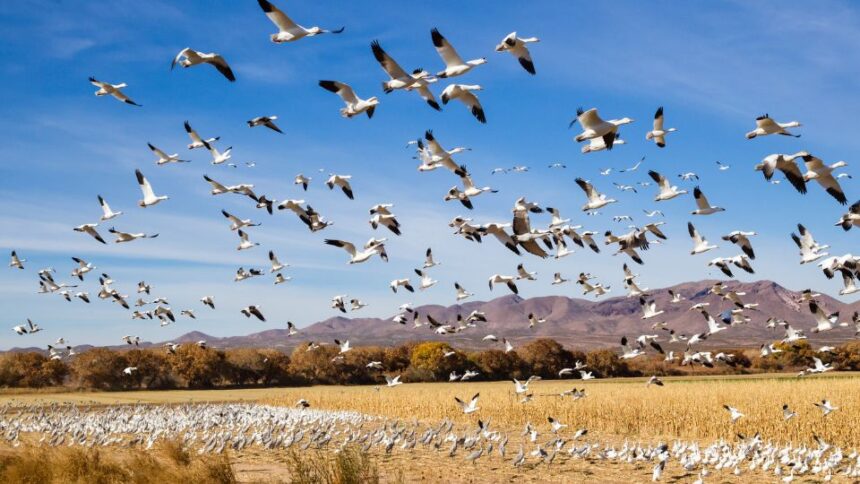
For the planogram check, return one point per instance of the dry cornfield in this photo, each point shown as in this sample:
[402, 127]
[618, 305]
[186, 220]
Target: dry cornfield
[684, 408]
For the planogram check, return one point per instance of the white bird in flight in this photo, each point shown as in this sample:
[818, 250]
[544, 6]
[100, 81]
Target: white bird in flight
[114, 90]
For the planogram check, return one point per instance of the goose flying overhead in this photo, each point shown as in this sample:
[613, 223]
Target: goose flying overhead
[810, 250]
[517, 47]
[850, 218]
[356, 256]
[164, 158]
[703, 207]
[507, 280]
[823, 174]
[236, 223]
[465, 94]
[658, 134]
[596, 199]
[267, 121]
[354, 104]
[289, 31]
[149, 197]
[107, 213]
[16, 262]
[461, 292]
[90, 229]
[595, 127]
[188, 57]
[343, 182]
[253, 311]
[128, 237]
[667, 191]
[788, 167]
[765, 126]
[196, 140]
[454, 64]
[112, 90]
[418, 80]
[741, 239]
[217, 156]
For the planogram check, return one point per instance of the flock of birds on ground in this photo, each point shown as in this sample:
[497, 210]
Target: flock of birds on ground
[519, 235]
[214, 428]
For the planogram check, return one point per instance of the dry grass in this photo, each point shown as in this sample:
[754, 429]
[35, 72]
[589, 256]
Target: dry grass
[348, 466]
[683, 408]
[77, 465]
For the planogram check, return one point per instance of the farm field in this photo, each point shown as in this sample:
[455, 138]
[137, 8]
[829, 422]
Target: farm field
[614, 412]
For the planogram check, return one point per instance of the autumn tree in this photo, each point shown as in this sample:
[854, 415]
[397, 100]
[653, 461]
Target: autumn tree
[101, 368]
[545, 357]
[498, 365]
[315, 366]
[198, 367]
[153, 369]
[606, 363]
[429, 363]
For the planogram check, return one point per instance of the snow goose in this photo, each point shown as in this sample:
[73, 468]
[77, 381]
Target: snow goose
[217, 156]
[405, 283]
[507, 280]
[599, 144]
[245, 244]
[289, 31]
[667, 192]
[810, 250]
[164, 158]
[741, 239]
[280, 279]
[113, 90]
[276, 264]
[428, 259]
[188, 312]
[343, 182]
[426, 281]
[196, 140]
[826, 407]
[400, 79]
[188, 57]
[596, 199]
[823, 321]
[16, 262]
[354, 104]
[83, 268]
[267, 121]
[356, 256]
[633, 289]
[90, 229]
[439, 156]
[253, 311]
[470, 407]
[508, 346]
[469, 189]
[465, 94]
[851, 218]
[658, 133]
[237, 223]
[356, 304]
[387, 220]
[734, 413]
[557, 279]
[392, 382]
[764, 126]
[740, 261]
[703, 207]
[302, 180]
[649, 308]
[516, 46]
[788, 167]
[149, 196]
[343, 347]
[523, 274]
[454, 64]
[497, 230]
[461, 292]
[700, 244]
[128, 237]
[598, 289]
[595, 127]
[208, 301]
[557, 221]
[534, 320]
[823, 174]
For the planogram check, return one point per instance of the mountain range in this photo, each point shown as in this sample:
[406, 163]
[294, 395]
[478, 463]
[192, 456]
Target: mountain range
[576, 322]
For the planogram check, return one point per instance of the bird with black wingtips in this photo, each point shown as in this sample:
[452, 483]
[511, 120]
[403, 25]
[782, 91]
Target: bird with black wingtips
[267, 121]
[765, 125]
[517, 47]
[454, 64]
[658, 133]
[189, 57]
[354, 104]
[289, 31]
[418, 81]
[253, 311]
[107, 89]
[465, 93]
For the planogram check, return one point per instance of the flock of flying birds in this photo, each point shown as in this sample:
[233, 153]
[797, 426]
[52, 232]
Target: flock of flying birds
[519, 235]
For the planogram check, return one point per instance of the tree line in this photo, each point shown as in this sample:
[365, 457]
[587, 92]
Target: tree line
[190, 366]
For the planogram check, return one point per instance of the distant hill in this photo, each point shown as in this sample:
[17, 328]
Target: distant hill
[576, 322]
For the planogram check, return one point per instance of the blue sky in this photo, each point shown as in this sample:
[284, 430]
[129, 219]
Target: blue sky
[713, 66]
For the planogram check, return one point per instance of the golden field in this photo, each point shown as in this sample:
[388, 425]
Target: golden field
[613, 411]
